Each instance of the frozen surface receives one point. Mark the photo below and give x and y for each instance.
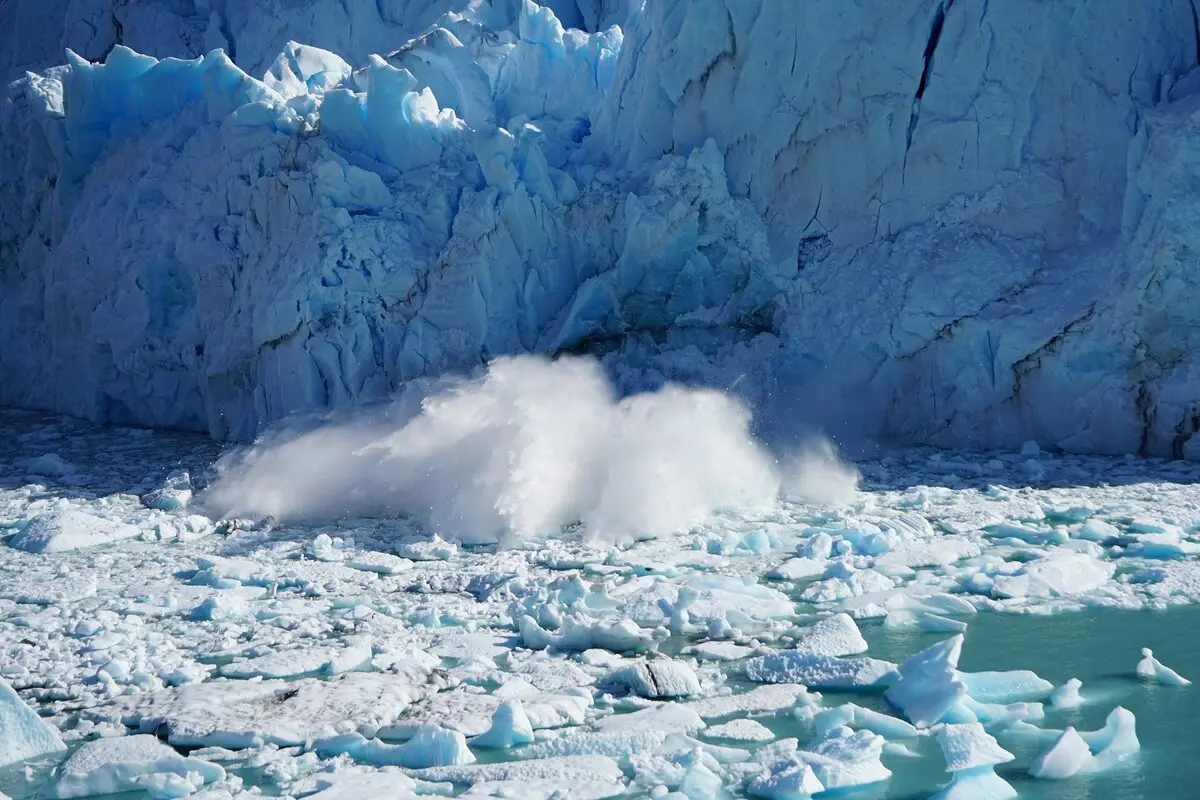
(907, 221)
(348, 658)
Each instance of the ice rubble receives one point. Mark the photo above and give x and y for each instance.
(287, 228)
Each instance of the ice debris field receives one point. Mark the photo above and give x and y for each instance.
(781, 649)
(351, 235)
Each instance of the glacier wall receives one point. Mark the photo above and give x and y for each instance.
(955, 222)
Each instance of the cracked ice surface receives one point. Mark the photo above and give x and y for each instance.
(290, 655)
(959, 224)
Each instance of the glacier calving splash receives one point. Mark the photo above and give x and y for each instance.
(959, 223)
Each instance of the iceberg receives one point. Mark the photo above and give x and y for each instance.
(1072, 753)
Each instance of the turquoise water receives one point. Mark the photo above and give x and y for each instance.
(1101, 648)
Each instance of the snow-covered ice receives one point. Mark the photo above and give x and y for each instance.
(129, 763)
(971, 757)
(322, 653)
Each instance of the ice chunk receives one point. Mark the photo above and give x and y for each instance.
(854, 716)
(761, 699)
(1152, 669)
(1067, 695)
(1068, 755)
(303, 662)
(23, 734)
(666, 718)
(821, 672)
(843, 758)
(1116, 741)
(1059, 574)
(173, 495)
(613, 743)
(350, 785)
(788, 779)
(241, 714)
(929, 687)
(661, 678)
(110, 766)
(68, 529)
(837, 635)
(720, 651)
(590, 777)
(968, 746)
(303, 70)
(795, 569)
(510, 728)
(1010, 686)
(741, 730)
(430, 746)
(971, 755)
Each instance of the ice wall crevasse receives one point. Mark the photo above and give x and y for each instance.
(968, 232)
(316, 239)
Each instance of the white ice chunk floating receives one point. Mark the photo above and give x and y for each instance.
(787, 779)
(929, 688)
(590, 777)
(1059, 574)
(109, 766)
(353, 785)
(1151, 668)
(842, 758)
(971, 755)
(173, 495)
(239, 714)
(23, 734)
(430, 746)
(510, 728)
(772, 698)
(740, 730)
(1067, 695)
(658, 679)
(857, 717)
(1074, 753)
(66, 529)
(821, 672)
(1068, 755)
(837, 635)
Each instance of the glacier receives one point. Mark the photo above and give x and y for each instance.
(954, 223)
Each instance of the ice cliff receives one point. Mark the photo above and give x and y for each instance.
(953, 222)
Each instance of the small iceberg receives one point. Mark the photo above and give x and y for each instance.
(1150, 668)
(971, 756)
(1074, 753)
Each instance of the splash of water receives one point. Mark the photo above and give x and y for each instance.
(530, 447)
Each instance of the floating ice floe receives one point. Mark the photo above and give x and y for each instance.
(658, 679)
(1072, 752)
(23, 734)
(130, 764)
(69, 529)
(1152, 669)
(590, 777)
(930, 689)
(510, 728)
(971, 756)
(821, 672)
(430, 746)
(740, 730)
(1067, 695)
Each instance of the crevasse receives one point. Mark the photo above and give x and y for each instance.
(958, 223)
